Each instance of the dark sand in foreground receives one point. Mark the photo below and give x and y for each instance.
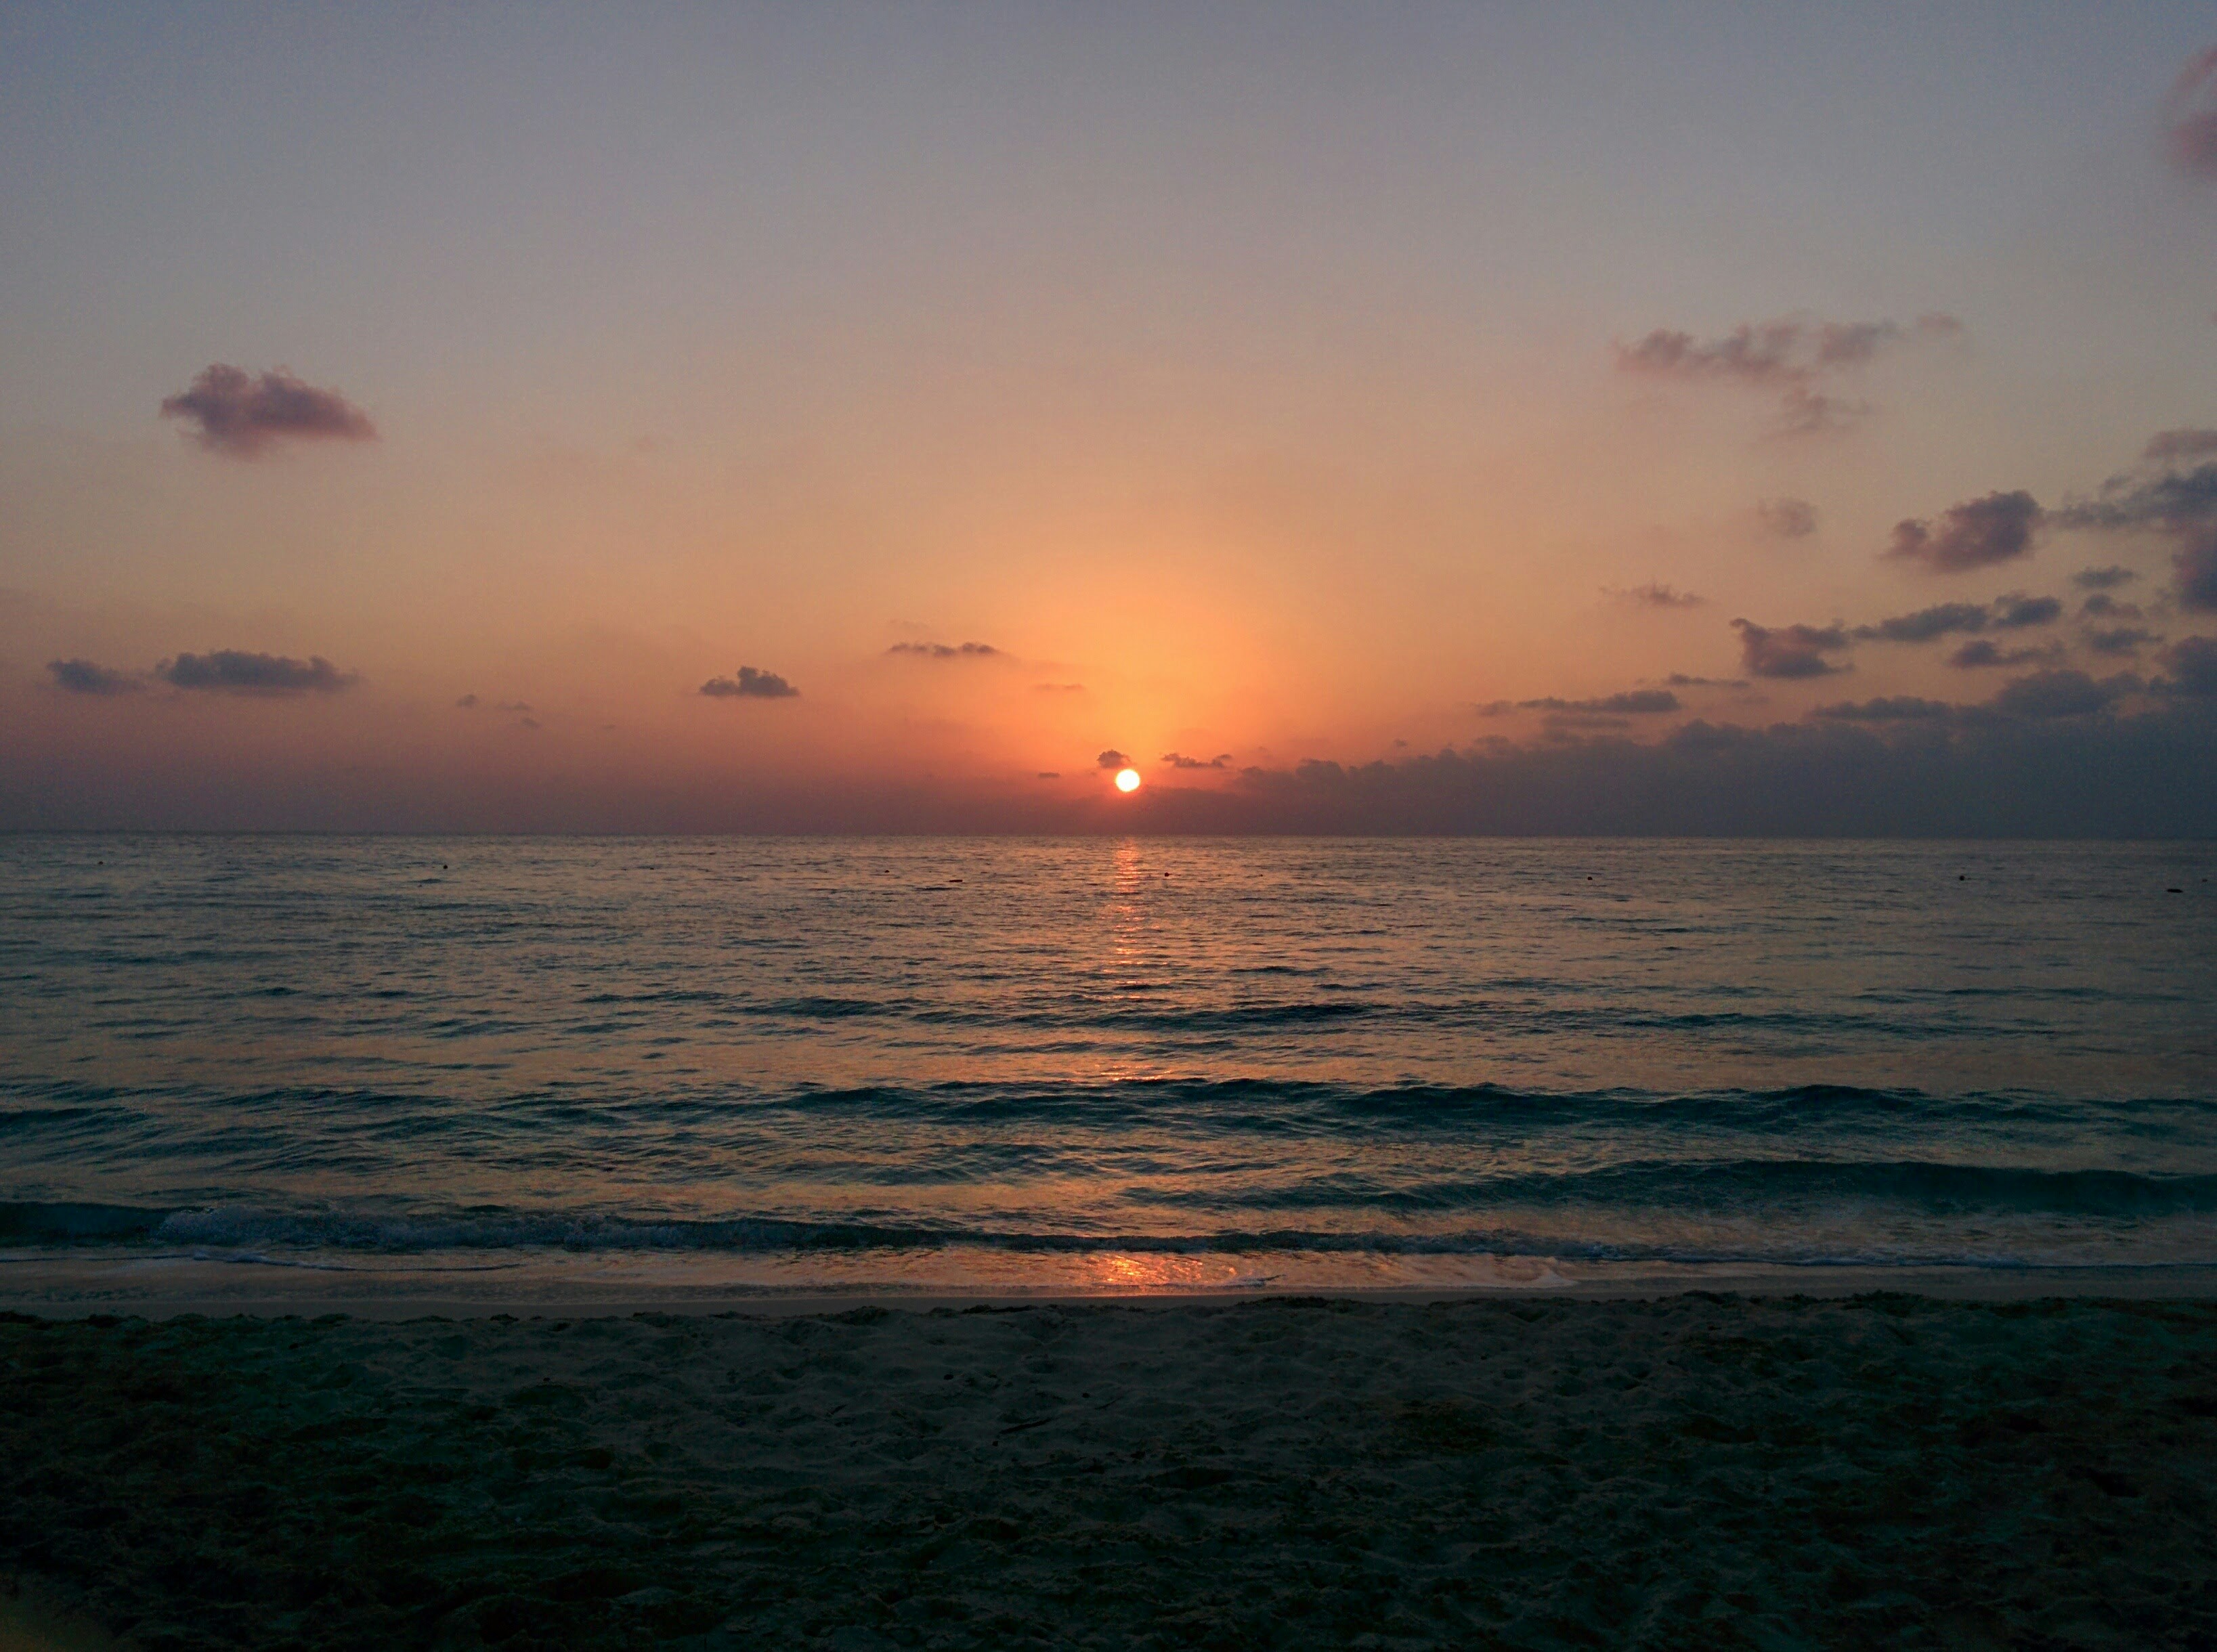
(1695, 1471)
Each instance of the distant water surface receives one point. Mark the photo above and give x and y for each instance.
(1107, 1064)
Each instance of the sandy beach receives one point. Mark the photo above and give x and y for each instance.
(1693, 1470)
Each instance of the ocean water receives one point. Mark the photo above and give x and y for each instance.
(1103, 1065)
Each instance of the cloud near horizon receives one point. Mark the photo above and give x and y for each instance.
(85, 677)
(2193, 660)
(751, 683)
(242, 415)
(1886, 708)
(1983, 652)
(1174, 760)
(2180, 506)
(946, 650)
(1632, 702)
(1790, 651)
(235, 671)
(2103, 579)
(1977, 534)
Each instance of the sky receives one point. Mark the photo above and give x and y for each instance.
(1682, 418)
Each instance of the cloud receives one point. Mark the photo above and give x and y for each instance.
(2101, 603)
(1632, 702)
(1927, 623)
(1897, 708)
(1680, 680)
(1655, 596)
(233, 671)
(1173, 759)
(1977, 773)
(2103, 579)
(1112, 759)
(2016, 611)
(945, 651)
(2012, 613)
(1787, 519)
(1788, 650)
(751, 684)
(2190, 118)
(1790, 358)
(2168, 447)
(466, 703)
(2118, 639)
(2062, 693)
(2180, 505)
(1058, 687)
(242, 414)
(1976, 534)
(83, 677)
(2193, 664)
(1981, 653)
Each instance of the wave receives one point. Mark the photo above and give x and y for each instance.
(1779, 1198)
(161, 1119)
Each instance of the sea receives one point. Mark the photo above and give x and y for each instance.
(1006, 1067)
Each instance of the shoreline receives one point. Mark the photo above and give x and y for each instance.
(1500, 1471)
(76, 1288)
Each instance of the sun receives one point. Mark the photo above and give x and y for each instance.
(1128, 780)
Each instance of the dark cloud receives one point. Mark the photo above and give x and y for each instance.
(2190, 118)
(1787, 519)
(1896, 708)
(1632, 702)
(1927, 623)
(1680, 680)
(230, 670)
(1788, 650)
(2012, 613)
(2103, 579)
(2137, 768)
(1792, 358)
(242, 413)
(83, 677)
(2171, 500)
(1973, 534)
(2192, 662)
(1112, 759)
(2195, 563)
(751, 684)
(2103, 605)
(2168, 447)
(1981, 653)
(1655, 596)
(946, 650)
(2181, 506)
(2118, 639)
(2062, 693)
(1174, 759)
(1976, 773)
(466, 703)
(2016, 611)
(1048, 774)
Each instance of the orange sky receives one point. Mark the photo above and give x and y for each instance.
(1268, 393)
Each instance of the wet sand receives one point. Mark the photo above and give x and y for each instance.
(1686, 1471)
